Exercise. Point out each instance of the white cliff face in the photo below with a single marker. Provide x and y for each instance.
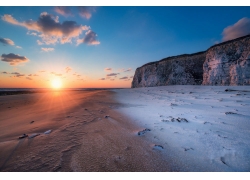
(228, 63)
(178, 70)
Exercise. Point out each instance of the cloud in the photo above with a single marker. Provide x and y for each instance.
(86, 11)
(112, 74)
(39, 42)
(102, 79)
(90, 38)
(32, 33)
(131, 76)
(7, 41)
(240, 28)
(17, 74)
(47, 49)
(58, 74)
(112, 79)
(19, 47)
(28, 78)
(63, 10)
(14, 59)
(125, 77)
(50, 29)
(41, 71)
(129, 69)
(68, 69)
(4, 72)
(108, 69)
(33, 75)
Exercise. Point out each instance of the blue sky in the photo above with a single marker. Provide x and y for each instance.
(118, 39)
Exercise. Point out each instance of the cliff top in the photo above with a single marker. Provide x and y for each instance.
(193, 54)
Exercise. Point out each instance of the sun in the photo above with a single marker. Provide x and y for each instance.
(56, 83)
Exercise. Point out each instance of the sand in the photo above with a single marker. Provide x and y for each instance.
(168, 128)
(84, 132)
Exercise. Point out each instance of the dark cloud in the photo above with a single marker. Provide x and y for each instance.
(86, 11)
(240, 28)
(102, 79)
(14, 59)
(90, 38)
(33, 75)
(63, 10)
(7, 41)
(125, 77)
(4, 72)
(17, 74)
(112, 74)
(50, 29)
(28, 78)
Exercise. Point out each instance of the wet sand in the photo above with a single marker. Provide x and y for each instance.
(81, 138)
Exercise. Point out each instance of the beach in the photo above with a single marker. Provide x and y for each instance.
(167, 128)
(72, 131)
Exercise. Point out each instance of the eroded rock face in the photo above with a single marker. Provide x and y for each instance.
(178, 70)
(227, 63)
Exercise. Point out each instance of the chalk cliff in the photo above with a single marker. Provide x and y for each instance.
(227, 63)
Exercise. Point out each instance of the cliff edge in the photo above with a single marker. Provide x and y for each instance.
(227, 63)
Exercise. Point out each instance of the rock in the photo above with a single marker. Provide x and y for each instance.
(23, 136)
(47, 132)
(32, 122)
(34, 135)
(227, 63)
(107, 116)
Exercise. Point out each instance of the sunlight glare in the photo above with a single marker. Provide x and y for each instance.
(56, 83)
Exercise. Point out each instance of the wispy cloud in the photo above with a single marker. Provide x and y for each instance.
(7, 41)
(29, 78)
(18, 47)
(125, 77)
(108, 69)
(68, 69)
(86, 11)
(32, 33)
(127, 70)
(39, 42)
(47, 49)
(240, 28)
(17, 74)
(41, 71)
(4, 72)
(63, 10)
(14, 59)
(33, 75)
(90, 38)
(112, 74)
(102, 79)
(50, 29)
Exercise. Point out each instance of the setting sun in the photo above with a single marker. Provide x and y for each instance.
(56, 83)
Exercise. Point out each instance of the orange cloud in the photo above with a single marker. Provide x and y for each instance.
(7, 41)
(86, 11)
(63, 10)
(47, 49)
(240, 28)
(50, 29)
(14, 59)
(90, 38)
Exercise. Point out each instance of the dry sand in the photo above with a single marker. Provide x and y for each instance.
(82, 139)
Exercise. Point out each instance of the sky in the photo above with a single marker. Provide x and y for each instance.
(101, 46)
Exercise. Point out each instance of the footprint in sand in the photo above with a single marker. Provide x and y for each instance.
(140, 133)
